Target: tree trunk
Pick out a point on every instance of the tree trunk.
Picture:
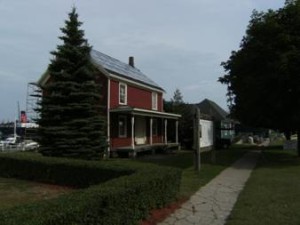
(287, 135)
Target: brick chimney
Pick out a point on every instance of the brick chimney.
(131, 61)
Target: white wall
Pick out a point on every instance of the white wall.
(207, 131)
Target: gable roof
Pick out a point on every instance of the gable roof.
(109, 65)
(213, 109)
(121, 69)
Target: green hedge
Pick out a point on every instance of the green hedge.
(133, 190)
(62, 171)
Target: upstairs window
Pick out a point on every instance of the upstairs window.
(122, 94)
(154, 100)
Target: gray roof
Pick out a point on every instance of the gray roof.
(213, 109)
(121, 69)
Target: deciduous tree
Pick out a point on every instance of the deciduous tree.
(263, 76)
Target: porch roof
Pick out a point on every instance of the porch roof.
(145, 112)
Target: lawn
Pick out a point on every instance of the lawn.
(15, 192)
(192, 180)
(272, 194)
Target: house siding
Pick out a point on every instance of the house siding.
(136, 97)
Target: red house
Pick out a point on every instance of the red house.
(134, 107)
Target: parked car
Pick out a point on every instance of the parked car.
(29, 145)
(12, 140)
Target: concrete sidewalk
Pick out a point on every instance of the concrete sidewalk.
(212, 204)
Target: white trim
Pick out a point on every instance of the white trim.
(125, 85)
(154, 100)
(136, 83)
(155, 113)
(125, 126)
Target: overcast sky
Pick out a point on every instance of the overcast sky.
(177, 43)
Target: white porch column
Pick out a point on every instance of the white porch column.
(151, 124)
(132, 131)
(176, 131)
(166, 134)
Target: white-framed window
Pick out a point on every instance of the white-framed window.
(122, 124)
(154, 127)
(154, 100)
(122, 93)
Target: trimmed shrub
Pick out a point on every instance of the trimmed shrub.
(133, 190)
(61, 171)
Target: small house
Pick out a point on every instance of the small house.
(133, 105)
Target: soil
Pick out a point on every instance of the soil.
(15, 192)
(158, 215)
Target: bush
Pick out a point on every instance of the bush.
(132, 191)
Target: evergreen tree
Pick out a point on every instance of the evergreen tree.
(72, 122)
(178, 106)
(177, 97)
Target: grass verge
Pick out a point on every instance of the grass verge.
(192, 180)
(272, 194)
(15, 192)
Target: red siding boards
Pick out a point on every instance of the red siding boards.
(102, 79)
(136, 97)
(157, 139)
(160, 104)
(120, 142)
(114, 94)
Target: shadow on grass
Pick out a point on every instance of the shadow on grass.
(185, 159)
(277, 159)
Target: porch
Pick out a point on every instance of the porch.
(146, 148)
(135, 130)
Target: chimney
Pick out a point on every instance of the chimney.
(131, 61)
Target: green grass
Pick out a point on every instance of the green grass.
(272, 194)
(191, 180)
(15, 192)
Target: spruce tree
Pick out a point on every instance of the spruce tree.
(71, 116)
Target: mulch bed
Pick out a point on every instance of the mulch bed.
(159, 215)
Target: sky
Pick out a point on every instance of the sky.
(177, 43)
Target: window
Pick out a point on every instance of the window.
(154, 127)
(154, 100)
(122, 126)
(122, 94)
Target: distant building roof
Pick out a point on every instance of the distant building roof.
(119, 68)
(213, 109)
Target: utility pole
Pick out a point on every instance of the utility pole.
(197, 135)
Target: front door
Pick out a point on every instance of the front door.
(140, 130)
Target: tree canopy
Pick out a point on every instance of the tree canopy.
(177, 105)
(263, 76)
(177, 97)
(71, 122)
